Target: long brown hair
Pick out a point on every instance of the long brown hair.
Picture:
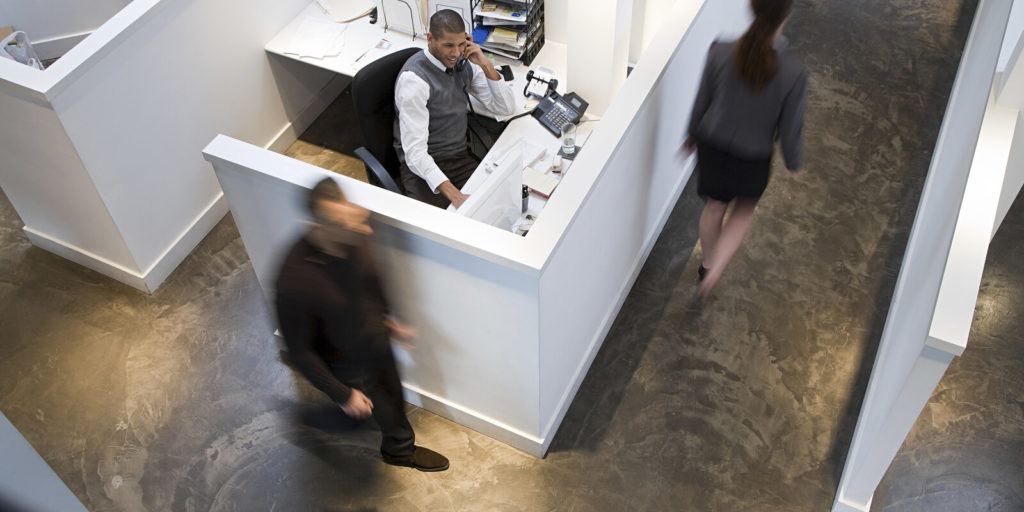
(753, 56)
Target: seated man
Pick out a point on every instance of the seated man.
(430, 97)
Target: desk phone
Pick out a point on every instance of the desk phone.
(555, 110)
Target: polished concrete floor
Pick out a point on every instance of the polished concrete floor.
(179, 401)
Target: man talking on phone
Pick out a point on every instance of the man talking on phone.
(431, 101)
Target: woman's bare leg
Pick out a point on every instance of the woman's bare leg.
(727, 242)
(710, 227)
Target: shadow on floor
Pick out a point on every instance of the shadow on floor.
(587, 420)
(335, 129)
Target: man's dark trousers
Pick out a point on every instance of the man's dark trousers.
(380, 383)
(457, 168)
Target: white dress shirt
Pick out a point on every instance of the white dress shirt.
(411, 94)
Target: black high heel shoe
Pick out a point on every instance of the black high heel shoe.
(701, 272)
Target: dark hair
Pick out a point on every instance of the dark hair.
(754, 57)
(446, 20)
(324, 190)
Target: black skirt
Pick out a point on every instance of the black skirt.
(724, 177)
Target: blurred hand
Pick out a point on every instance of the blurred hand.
(403, 333)
(401, 330)
(358, 405)
(689, 146)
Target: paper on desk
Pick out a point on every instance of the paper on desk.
(317, 38)
(543, 184)
(531, 151)
(344, 11)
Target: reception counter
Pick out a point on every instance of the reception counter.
(509, 325)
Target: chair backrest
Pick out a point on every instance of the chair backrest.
(373, 92)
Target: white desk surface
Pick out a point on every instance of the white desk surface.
(527, 128)
(360, 37)
(358, 49)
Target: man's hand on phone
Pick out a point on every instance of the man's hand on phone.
(476, 55)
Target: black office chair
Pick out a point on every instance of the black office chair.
(373, 92)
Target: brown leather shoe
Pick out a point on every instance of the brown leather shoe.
(423, 459)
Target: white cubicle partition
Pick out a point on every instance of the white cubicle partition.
(1011, 39)
(612, 219)
(509, 324)
(475, 308)
(1010, 94)
(1013, 182)
(100, 151)
(941, 269)
(56, 26)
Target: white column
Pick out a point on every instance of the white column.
(648, 17)
(598, 49)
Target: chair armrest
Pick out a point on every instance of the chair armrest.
(378, 170)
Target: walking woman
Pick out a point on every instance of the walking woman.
(752, 93)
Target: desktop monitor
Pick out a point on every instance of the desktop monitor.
(498, 201)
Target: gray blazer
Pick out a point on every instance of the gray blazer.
(729, 116)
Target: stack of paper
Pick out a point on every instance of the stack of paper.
(497, 12)
(317, 38)
(344, 11)
(543, 184)
(507, 22)
(504, 36)
(508, 40)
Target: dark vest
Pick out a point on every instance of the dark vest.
(446, 106)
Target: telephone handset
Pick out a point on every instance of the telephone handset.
(555, 110)
(461, 63)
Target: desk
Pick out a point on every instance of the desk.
(360, 37)
(359, 48)
(529, 129)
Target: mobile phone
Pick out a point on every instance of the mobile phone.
(461, 63)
